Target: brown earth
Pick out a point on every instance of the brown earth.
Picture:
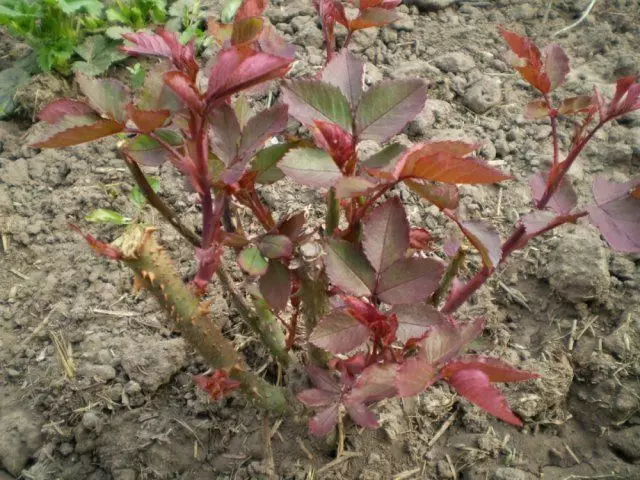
(566, 307)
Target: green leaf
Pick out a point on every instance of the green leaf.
(311, 100)
(138, 75)
(266, 161)
(229, 9)
(102, 215)
(99, 54)
(387, 107)
(384, 157)
(348, 268)
(70, 7)
(117, 16)
(189, 33)
(115, 32)
(146, 151)
(10, 80)
(252, 262)
(310, 166)
(137, 195)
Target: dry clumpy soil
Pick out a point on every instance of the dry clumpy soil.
(566, 307)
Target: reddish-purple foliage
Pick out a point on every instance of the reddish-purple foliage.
(391, 327)
(218, 384)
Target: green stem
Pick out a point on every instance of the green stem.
(156, 272)
(264, 323)
(333, 212)
(315, 304)
(454, 267)
(156, 202)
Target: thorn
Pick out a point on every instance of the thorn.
(144, 274)
(151, 276)
(138, 284)
(204, 308)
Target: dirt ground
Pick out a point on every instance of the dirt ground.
(565, 307)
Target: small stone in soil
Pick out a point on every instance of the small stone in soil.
(104, 372)
(622, 267)
(91, 421)
(152, 364)
(579, 268)
(483, 94)
(455, 62)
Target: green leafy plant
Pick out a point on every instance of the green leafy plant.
(138, 200)
(128, 16)
(186, 17)
(52, 28)
(377, 301)
(137, 14)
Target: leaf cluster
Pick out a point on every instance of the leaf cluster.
(390, 328)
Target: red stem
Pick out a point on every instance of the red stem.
(348, 39)
(554, 129)
(358, 214)
(514, 241)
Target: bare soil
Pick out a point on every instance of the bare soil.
(566, 307)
